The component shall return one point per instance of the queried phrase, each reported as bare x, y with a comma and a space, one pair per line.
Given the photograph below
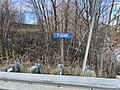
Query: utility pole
89, 37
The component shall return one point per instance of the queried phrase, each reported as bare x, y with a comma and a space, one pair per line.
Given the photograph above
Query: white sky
30, 17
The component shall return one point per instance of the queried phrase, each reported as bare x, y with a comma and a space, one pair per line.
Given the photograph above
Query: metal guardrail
76, 81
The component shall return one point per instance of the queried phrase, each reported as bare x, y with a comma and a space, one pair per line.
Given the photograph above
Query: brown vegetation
36, 41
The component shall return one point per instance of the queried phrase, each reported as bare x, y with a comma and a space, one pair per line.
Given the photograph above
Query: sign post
62, 36
62, 50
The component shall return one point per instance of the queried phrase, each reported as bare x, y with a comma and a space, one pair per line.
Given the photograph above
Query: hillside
23, 27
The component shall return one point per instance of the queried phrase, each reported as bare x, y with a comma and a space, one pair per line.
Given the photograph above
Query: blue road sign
62, 35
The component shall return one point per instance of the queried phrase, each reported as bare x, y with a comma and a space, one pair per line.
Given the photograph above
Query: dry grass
24, 27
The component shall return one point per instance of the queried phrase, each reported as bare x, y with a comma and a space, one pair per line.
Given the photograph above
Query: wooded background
35, 42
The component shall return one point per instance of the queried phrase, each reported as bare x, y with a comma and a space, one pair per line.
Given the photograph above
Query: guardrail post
61, 67
17, 66
38, 67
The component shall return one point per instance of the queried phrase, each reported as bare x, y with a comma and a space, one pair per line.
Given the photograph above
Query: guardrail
76, 81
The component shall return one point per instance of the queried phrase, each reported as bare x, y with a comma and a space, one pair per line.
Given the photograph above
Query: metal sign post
62, 36
62, 51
